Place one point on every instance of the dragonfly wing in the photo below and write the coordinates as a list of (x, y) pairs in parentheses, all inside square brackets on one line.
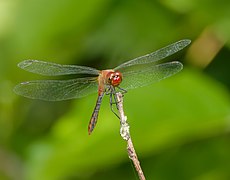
[(53, 69), (148, 75), (57, 90), (155, 56)]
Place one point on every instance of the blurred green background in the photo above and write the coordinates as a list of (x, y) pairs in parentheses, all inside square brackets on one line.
[(179, 126)]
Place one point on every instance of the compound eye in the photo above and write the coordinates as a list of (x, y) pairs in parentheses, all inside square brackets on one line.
[(116, 80)]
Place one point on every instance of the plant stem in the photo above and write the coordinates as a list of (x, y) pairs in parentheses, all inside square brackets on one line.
[(125, 134)]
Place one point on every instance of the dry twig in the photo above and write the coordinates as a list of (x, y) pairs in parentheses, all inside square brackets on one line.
[(124, 132)]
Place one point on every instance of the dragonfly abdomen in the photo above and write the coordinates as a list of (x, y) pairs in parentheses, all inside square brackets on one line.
[(93, 120)]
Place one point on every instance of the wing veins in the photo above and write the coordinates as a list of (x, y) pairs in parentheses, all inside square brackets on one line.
[(55, 90), (54, 69), (157, 55)]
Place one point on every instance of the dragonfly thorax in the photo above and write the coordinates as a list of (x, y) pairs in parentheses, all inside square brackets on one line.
[(114, 78)]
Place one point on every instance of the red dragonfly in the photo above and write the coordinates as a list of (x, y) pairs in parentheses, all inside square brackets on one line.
[(135, 73)]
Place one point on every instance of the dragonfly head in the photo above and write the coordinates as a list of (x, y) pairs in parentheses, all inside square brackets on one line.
[(114, 78)]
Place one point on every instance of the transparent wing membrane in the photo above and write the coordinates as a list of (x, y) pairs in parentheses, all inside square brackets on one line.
[(53, 69), (155, 56), (57, 90), (150, 74)]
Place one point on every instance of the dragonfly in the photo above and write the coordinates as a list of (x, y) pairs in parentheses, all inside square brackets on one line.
[(138, 72)]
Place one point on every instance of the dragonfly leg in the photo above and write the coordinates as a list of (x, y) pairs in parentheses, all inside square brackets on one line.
[(112, 103), (123, 91), (111, 91), (108, 90)]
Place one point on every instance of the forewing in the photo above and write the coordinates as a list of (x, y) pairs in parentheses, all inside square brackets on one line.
[(57, 90), (53, 69), (149, 74), (155, 56)]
